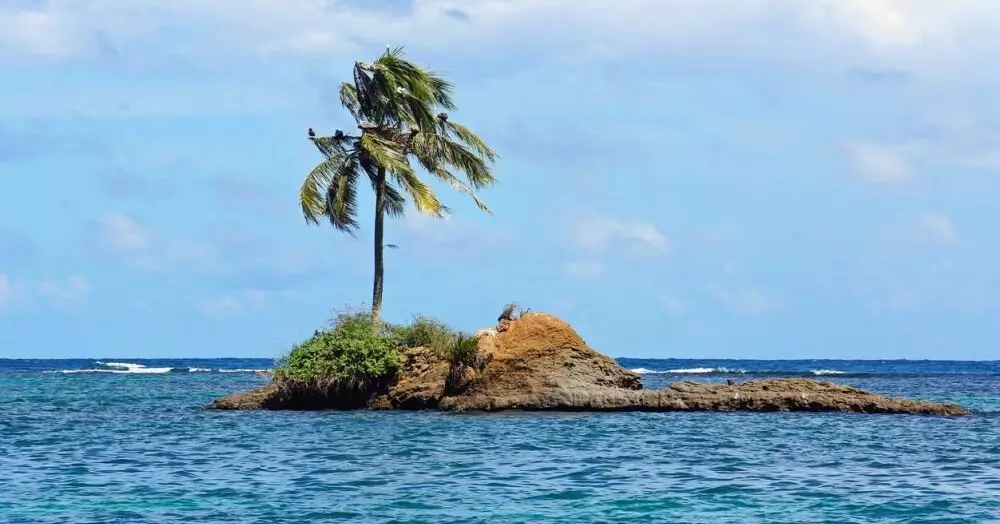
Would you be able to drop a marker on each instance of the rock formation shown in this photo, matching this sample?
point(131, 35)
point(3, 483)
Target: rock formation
point(538, 362)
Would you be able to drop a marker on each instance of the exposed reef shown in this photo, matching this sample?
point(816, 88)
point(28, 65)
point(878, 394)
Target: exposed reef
point(539, 363)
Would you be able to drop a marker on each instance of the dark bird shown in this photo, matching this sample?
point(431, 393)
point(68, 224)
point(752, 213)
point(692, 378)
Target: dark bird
point(339, 134)
point(312, 134)
point(391, 246)
point(443, 117)
point(730, 382)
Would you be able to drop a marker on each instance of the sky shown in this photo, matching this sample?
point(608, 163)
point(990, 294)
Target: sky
point(678, 178)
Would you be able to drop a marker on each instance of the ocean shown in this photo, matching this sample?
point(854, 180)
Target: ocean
point(121, 440)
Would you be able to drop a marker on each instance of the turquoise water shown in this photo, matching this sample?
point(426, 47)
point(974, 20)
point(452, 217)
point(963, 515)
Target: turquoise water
point(131, 444)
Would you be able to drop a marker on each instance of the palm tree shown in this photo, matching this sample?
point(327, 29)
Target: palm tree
point(396, 105)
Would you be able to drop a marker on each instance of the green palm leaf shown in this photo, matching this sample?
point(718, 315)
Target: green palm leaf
point(342, 197)
point(312, 193)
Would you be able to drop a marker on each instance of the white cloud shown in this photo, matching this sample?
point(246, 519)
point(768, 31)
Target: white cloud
point(239, 256)
point(139, 247)
point(939, 228)
point(921, 262)
point(122, 233)
point(11, 292)
point(916, 34)
point(673, 305)
point(907, 278)
point(76, 291)
point(600, 234)
point(930, 231)
point(880, 164)
point(234, 304)
point(959, 137)
point(742, 300)
point(932, 42)
point(15, 293)
point(585, 268)
point(45, 34)
point(454, 236)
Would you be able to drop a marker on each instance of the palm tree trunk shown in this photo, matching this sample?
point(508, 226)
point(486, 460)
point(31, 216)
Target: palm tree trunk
point(379, 246)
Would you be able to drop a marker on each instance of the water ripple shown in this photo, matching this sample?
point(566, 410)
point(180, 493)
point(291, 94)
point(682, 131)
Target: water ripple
point(136, 448)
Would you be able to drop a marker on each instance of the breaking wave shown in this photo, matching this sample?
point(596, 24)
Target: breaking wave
point(690, 371)
point(727, 371)
point(140, 369)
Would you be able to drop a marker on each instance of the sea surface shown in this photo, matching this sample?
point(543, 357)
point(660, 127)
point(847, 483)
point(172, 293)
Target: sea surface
point(126, 441)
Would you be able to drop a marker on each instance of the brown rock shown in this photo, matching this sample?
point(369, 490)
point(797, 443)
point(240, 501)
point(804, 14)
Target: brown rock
point(793, 395)
point(253, 399)
point(420, 385)
point(540, 363)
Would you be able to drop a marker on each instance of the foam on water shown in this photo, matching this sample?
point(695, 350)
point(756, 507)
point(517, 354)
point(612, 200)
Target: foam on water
point(119, 367)
point(141, 369)
point(688, 371)
point(728, 371)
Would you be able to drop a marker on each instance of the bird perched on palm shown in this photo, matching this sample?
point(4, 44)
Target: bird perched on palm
point(393, 102)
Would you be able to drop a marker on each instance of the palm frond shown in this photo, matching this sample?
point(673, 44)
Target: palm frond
point(472, 140)
point(385, 153)
point(342, 198)
point(442, 91)
point(434, 149)
point(391, 110)
point(421, 114)
point(412, 93)
point(423, 196)
point(311, 194)
point(370, 102)
point(334, 146)
point(330, 190)
point(446, 176)
point(349, 99)
point(395, 203)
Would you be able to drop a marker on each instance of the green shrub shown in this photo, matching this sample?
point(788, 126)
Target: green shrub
point(351, 353)
point(429, 333)
point(351, 360)
point(464, 351)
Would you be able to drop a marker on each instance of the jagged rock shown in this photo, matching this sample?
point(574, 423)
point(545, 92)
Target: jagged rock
point(538, 362)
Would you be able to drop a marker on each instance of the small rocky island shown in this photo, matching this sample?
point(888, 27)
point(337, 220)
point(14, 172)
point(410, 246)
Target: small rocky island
point(537, 362)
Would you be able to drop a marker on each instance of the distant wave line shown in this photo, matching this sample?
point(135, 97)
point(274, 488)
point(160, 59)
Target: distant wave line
point(727, 371)
point(127, 368)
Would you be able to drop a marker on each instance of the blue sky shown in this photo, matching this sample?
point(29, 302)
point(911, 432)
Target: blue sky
point(711, 179)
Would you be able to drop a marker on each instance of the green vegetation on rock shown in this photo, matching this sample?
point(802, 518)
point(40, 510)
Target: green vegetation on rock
point(354, 354)
point(429, 333)
point(464, 351)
